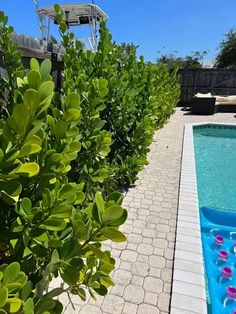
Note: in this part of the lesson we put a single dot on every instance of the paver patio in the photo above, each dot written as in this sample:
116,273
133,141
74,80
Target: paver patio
143,272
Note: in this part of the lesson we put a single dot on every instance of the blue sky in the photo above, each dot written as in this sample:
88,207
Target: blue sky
155,25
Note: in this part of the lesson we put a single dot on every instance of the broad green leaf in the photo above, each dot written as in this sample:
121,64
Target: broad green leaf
77,263
54,293
44,104
74,147
13,286
55,257
53,180
72,132
95,214
103,83
26,206
11,155
45,305
103,93
26,291
31,100
72,101
34,64
116,197
99,254
70,275
33,139
66,190
112,213
54,243
102,290
106,281
119,221
80,197
63,27
70,249
71,115
21,278
13,188
29,149
45,90
14,305
80,230
34,79
29,169
113,234
99,202
61,211
3,18
3,296
19,82
11,272
57,8
58,308
45,68
20,119
29,306
53,224
60,129
82,294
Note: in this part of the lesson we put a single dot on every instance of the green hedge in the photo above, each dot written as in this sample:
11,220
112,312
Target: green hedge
61,158
123,102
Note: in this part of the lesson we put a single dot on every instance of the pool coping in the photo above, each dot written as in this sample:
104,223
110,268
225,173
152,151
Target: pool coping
188,284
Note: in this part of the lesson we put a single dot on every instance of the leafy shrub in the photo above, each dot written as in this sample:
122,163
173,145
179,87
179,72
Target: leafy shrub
11,59
13,284
61,157
91,166
135,100
48,225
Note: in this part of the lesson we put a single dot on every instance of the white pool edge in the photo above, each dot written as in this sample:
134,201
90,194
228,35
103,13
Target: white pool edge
188,285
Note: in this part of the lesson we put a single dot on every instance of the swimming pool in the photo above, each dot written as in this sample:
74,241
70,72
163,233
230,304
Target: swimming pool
215,158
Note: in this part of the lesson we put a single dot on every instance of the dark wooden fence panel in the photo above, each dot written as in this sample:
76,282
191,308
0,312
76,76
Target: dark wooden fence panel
216,81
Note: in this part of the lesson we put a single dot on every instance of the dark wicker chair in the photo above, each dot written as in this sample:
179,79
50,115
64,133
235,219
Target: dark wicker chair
203,105
227,107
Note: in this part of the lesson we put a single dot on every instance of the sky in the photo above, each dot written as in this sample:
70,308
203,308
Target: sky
156,26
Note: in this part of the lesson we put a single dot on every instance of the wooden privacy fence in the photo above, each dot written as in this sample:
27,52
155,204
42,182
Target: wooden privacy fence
29,43
216,81
31,47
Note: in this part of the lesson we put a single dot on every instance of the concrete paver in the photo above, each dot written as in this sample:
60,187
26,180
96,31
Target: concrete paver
144,266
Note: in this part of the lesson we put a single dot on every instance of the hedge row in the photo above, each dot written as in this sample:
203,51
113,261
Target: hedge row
62,155
123,101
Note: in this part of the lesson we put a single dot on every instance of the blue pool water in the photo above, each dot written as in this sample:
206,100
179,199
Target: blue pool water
215,156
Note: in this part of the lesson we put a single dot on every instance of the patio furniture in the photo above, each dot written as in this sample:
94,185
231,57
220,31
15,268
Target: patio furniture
226,103
209,104
203,105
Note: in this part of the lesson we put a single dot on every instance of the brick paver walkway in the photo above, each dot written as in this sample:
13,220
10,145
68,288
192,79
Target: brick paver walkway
143,272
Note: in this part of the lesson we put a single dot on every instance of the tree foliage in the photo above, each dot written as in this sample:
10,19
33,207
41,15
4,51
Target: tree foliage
172,61
226,57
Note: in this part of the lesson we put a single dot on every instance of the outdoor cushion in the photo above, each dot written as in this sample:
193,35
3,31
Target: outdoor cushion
207,95
226,99
232,99
221,99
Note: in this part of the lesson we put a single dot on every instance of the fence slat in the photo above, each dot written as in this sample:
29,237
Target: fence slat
216,81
